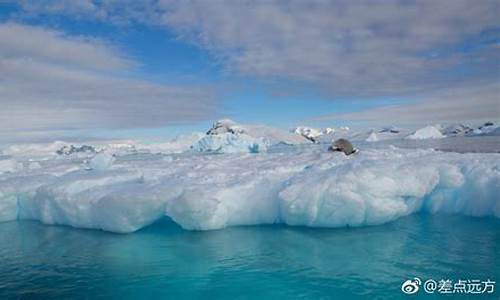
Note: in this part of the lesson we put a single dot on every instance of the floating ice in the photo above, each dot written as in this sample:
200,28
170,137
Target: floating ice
309,187
429,132
372,137
34,165
227,136
8,165
102,161
229,143
181,143
309,133
456,129
270,135
487,128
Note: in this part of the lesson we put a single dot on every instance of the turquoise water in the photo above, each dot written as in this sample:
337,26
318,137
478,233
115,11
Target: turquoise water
261,262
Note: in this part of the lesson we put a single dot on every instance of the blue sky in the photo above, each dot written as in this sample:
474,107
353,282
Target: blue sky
160,68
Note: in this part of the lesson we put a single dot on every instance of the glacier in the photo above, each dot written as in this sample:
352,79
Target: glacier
301,186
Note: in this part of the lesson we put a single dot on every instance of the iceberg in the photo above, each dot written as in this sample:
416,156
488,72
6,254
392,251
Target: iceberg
307,187
270,135
456,130
227,136
429,132
311,134
372,137
487,128
101,161
229,143
8,166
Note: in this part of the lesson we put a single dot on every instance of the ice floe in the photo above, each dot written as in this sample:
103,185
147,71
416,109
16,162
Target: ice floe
307,187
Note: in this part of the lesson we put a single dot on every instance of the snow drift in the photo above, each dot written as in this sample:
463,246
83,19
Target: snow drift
311,187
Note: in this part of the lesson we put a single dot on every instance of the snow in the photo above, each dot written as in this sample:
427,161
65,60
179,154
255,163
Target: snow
372,137
487,128
328,130
309,133
226,126
306,186
179,144
8,166
493,132
34,150
428,132
456,129
34,165
229,143
102,161
227,136
269,135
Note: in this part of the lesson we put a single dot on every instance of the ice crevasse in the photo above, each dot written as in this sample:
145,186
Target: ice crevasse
203,192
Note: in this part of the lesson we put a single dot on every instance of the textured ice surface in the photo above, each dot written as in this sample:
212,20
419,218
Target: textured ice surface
269,135
179,144
428,132
230,143
227,136
303,186
310,133
102,161
373,137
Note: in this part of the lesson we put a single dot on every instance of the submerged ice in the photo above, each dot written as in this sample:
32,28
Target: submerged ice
304,186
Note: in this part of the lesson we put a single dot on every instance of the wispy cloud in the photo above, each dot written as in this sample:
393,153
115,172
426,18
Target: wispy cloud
361,48
466,104
443,54
52,81
345,48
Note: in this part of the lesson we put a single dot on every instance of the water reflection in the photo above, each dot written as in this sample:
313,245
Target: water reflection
256,262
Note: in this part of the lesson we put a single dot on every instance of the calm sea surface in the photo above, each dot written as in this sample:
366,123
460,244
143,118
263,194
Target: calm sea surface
164,261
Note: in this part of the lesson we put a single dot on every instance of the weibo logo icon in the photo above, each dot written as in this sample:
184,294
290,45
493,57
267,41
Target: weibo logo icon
411,286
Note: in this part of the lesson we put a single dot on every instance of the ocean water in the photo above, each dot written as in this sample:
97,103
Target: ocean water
164,261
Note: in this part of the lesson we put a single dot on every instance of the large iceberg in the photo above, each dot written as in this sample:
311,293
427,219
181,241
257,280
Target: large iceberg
269,135
307,187
227,136
230,143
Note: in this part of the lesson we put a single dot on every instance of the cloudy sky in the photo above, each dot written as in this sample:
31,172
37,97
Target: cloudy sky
128,68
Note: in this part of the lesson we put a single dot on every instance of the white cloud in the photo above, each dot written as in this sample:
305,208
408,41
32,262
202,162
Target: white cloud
345,48
466,104
40,44
51,81
360,48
